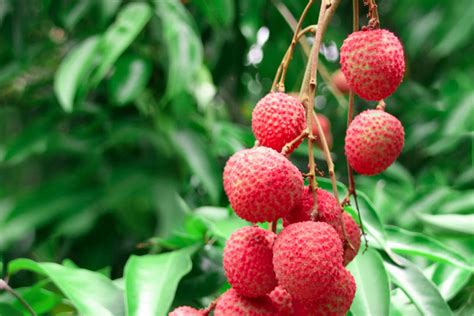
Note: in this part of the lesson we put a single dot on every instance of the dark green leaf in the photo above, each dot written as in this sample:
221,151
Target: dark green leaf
130,77
219,13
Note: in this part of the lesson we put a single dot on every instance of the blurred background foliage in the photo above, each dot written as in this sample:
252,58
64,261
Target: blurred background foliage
118,116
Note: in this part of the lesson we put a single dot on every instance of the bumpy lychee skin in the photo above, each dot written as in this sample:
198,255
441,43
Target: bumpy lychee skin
328,209
282,301
353,234
248,263
339,81
277,119
336,301
187,311
306,258
374,140
326,127
373,63
262,185
232,303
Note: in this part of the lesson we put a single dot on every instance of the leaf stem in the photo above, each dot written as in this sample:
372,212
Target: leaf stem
4,286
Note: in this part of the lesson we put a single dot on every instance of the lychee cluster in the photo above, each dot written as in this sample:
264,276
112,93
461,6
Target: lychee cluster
373,63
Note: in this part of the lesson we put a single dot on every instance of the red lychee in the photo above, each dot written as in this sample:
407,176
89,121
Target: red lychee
232,303
353,234
282,300
277,119
328,208
339,81
187,311
326,127
262,185
374,140
335,302
306,258
373,63
248,261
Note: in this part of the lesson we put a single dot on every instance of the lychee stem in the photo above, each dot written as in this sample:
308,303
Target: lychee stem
325,75
373,14
381,105
350,113
291,144
289,54
211,306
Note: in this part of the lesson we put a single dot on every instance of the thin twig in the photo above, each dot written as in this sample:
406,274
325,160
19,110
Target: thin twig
295,141
289,54
4,286
323,71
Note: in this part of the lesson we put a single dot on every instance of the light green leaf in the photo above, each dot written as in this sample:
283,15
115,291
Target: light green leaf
130,21
450,223
73,71
450,280
422,292
183,46
410,243
192,150
372,297
151,281
91,293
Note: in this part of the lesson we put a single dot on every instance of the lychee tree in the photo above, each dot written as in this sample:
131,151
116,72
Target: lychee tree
223,129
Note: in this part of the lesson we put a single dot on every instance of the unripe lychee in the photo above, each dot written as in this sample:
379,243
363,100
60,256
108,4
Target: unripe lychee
339,81
262,185
335,302
186,311
306,258
328,208
282,300
326,127
373,63
374,140
248,261
353,234
277,119
232,303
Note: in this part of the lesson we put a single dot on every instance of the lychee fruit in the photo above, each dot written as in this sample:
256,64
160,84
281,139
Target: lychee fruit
231,303
262,185
339,81
248,261
306,258
326,127
328,208
336,301
186,311
282,300
353,234
277,119
374,140
373,63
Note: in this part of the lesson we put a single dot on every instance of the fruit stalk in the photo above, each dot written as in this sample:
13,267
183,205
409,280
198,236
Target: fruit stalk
4,286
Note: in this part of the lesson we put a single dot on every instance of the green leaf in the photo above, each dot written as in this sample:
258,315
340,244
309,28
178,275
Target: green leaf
73,71
410,243
192,149
130,77
91,293
219,13
8,310
450,280
183,46
422,292
151,281
373,288
450,223
130,21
